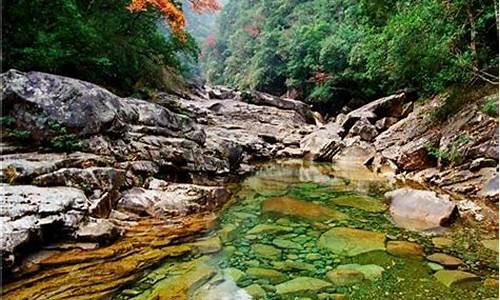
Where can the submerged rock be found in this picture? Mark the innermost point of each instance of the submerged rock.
(266, 251)
(345, 277)
(405, 249)
(370, 272)
(421, 210)
(292, 207)
(452, 277)
(351, 242)
(302, 286)
(490, 244)
(269, 228)
(445, 260)
(360, 202)
(272, 276)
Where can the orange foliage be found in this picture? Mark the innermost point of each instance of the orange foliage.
(173, 14)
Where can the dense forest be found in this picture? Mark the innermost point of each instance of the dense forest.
(329, 52)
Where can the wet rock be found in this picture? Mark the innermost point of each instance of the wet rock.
(491, 282)
(172, 200)
(302, 286)
(290, 265)
(420, 210)
(351, 242)
(269, 228)
(490, 244)
(360, 202)
(266, 251)
(256, 291)
(323, 143)
(227, 232)
(209, 245)
(286, 244)
(452, 277)
(272, 276)
(441, 242)
(345, 277)
(291, 207)
(29, 214)
(233, 274)
(405, 249)
(434, 267)
(445, 260)
(370, 272)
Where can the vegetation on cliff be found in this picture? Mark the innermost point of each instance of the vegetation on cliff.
(329, 52)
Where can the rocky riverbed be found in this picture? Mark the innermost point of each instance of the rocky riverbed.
(109, 197)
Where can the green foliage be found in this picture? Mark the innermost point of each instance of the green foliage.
(451, 154)
(329, 52)
(490, 107)
(7, 121)
(64, 141)
(453, 102)
(94, 40)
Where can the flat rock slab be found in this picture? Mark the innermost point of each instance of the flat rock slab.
(445, 260)
(421, 210)
(266, 251)
(271, 275)
(451, 277)
(351, 242)
(269, 228)
(300, 209)
(405, 249)
(360, 202)
(302, 286)
(347, 277)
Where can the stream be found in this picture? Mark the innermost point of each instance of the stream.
(301, 230)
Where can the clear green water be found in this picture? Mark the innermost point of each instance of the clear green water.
(288, 246)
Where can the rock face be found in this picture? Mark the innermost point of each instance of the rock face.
(193, 142)
(30, 213)
(421, 210)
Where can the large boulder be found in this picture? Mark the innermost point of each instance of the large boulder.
(42, 102)
(421, 210)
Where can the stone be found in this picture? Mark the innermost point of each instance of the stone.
(420, 210)
(233, 274)
(256, 291)
(351, 242)
(28, 212)
(452, 277)
(292, 265)
(385, 123)
(441, 242)
(272, 276)
(208, 245)
(491, 282)
(360, 202)
(172, 200)
(347, 277)
(490, 244)
(364, 129)
(434, 267)
(405, 249)
(286, 244)
(370, 272)
(266, 251)
(323, 143)
(228, 232)
(97, 230)
(302, 286)
(445, 260)
(269, 228)
(306, 210)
